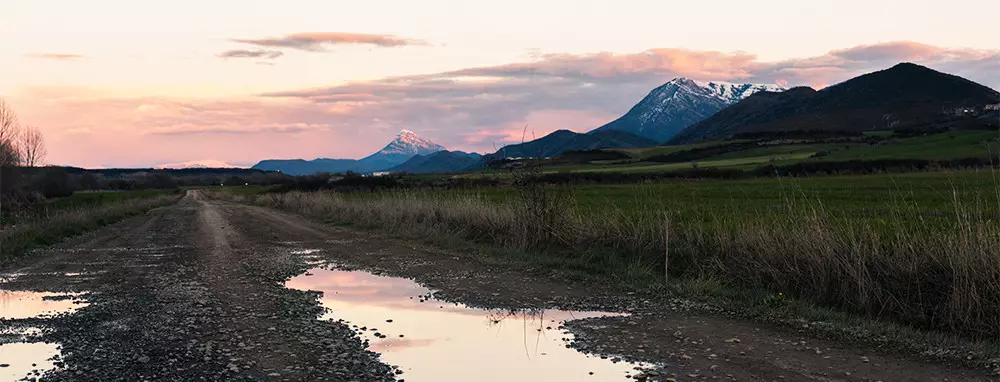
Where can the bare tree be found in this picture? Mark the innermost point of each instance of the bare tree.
(9, 130)
(8, 122)
(33, 150)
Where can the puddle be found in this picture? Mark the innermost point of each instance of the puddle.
(20, 360)
(431, 340)
(27, 304)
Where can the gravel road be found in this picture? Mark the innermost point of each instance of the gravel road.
(195, 291)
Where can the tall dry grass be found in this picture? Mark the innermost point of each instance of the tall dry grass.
(16, 239)
(941, 273)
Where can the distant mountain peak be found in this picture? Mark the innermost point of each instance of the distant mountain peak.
(681, 102)
(409, 143)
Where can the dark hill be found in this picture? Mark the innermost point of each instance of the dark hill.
(906, 95)
(440, 162)
(561, 141)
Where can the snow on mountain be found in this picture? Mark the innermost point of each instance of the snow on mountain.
(733, 93)
(410, 144)
(406, 145)
(209, 163)
(680, 103)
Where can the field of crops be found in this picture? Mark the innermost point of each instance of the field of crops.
(881, 196)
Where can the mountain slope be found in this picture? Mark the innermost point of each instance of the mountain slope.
(307, 167)
(680, 103)
(406, 145)
(440, 162)
(564, 140)
(906, 95)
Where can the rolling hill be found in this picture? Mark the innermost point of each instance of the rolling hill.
(564, 140)
(904, 96)
(440, 162)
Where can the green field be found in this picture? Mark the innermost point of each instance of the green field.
(91, 198)
(943, 146)
(48, 223)
(932, 194)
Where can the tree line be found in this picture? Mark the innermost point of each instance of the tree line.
(20, 145)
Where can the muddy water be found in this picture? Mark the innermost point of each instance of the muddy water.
(20, 357)
(26, 304)
(26, 359)
(432, 340)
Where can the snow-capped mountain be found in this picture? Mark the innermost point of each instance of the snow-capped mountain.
(410, 144)
(406, 145)
(733, 93)
(209, 163)
(680, 103)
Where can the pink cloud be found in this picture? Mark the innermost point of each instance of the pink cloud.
(318, 41)
(55, 56)
(242, 53)
(96, 129)
(471, 109)
(606, 65)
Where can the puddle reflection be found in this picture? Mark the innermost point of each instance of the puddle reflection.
(26, 304)
(20, 360)
(433, 340)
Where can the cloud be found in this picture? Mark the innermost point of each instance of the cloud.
(471, 109)
(242, 53)
(94, 127)
(55, 56)
(319, 41)
(474, 108)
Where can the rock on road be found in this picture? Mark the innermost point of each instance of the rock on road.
(194, 291)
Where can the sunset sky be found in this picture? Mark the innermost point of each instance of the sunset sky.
(140, 83)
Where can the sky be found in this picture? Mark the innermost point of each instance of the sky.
(141, 83)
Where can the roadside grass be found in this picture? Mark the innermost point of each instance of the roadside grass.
(910, 261)
(74, 215)
(79, 199)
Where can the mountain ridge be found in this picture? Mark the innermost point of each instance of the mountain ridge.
(679, 103)
(404, 146)
(560, 141)
(440, 162)
(906, 94)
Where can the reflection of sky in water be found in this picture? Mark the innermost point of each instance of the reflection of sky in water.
(25, 304)
(20, 356)
(448, 342)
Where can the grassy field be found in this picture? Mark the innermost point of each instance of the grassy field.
(869, 197)
(951, 145)
(943, 146)
(52, 221)
(921, 249)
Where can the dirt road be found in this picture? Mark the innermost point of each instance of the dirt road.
(195, 291)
